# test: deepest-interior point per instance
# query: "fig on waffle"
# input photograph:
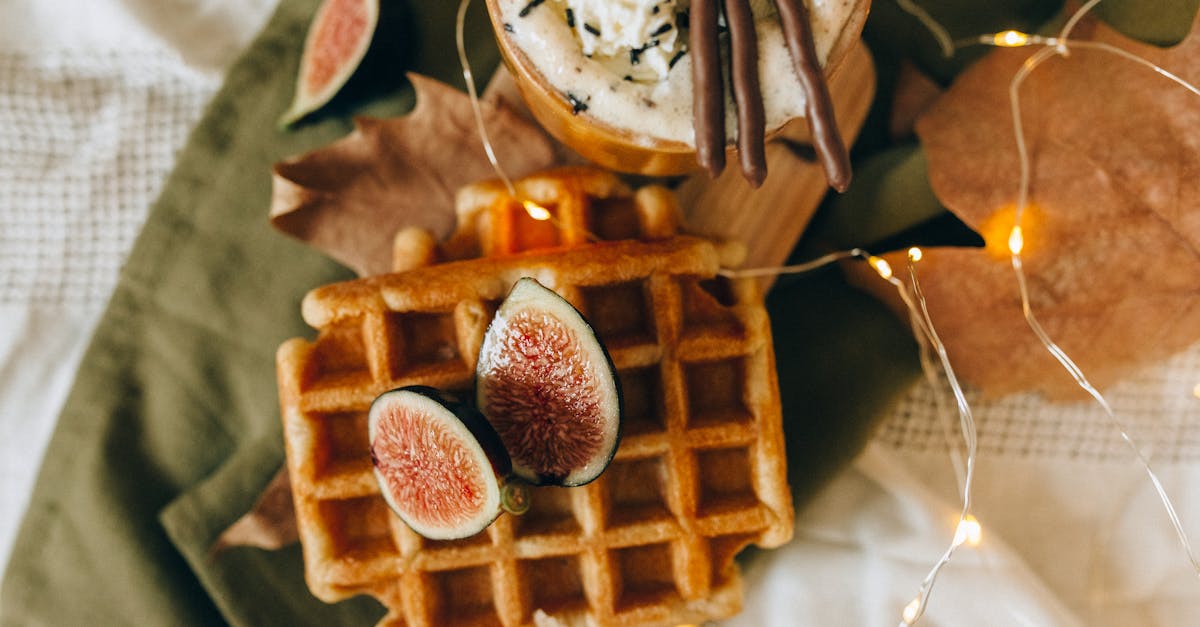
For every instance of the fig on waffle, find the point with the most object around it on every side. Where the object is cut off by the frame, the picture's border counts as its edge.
(700, 471)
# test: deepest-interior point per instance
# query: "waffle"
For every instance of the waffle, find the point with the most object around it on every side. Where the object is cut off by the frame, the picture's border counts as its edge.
(699, 474)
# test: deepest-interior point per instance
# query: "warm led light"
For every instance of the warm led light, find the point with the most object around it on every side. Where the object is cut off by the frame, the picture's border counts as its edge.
(882, 267)
(536, 211)
(1016, 240)
(1196, 391)
(910, 611)
(1010, 39)
(969, 531)
(915, 254)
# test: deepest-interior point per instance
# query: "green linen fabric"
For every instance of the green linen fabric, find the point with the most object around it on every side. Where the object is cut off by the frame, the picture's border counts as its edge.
(172, 428)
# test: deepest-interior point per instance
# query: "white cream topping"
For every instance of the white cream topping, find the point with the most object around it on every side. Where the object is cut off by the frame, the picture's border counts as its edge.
(661, 110)
(635, 38)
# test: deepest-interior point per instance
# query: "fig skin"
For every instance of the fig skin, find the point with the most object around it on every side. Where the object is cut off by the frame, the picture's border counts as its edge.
(481, 435)
(530, 295)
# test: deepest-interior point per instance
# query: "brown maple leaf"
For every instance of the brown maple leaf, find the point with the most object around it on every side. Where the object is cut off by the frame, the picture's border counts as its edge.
(1112, 237)
(270, 524)
(349, 198)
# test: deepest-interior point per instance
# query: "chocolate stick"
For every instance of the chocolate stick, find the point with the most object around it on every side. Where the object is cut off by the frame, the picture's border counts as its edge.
(708, 90)
(746, 92)
(797, 30)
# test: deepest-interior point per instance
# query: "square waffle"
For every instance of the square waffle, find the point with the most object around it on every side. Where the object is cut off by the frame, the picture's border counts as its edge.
(700, 471)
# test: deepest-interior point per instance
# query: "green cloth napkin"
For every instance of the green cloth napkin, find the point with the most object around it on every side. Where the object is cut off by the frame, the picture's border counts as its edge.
(172, 429)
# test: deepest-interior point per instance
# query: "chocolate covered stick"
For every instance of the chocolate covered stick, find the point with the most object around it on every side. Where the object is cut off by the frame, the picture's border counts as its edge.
(746, 92)
(793, 16)
(708, 90)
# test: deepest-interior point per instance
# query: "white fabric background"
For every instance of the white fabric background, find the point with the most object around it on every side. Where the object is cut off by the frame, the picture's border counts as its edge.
(96, 96)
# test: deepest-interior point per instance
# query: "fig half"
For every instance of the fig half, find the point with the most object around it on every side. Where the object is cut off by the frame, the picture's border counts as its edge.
(440, 465)
(546, 384)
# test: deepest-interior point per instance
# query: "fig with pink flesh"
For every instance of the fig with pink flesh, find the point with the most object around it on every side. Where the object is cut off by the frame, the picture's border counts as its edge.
(337, 41)
(440, 465)
(547, 385)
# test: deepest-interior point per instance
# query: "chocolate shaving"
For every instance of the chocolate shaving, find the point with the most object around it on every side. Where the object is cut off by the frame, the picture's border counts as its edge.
(570, 18)
(577, 105)
(675, 59)
(793, 16)
(665, 28)
(707, 87)
(533, 4)
(747, 94)
(591, 29)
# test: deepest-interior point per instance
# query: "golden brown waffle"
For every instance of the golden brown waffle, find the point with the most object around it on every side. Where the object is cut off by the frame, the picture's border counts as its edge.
(584, 205)
(699, 474)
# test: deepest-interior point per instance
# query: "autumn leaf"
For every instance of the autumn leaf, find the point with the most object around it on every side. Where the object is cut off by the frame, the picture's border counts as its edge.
(914, 93)
(349, 198)
(1112, 238)
(270, 524)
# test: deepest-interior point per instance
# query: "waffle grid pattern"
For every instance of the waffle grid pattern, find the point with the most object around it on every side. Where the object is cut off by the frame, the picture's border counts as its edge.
(699, 473)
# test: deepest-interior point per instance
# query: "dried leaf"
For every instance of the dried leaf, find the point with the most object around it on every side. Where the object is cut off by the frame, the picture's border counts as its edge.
(1112, 241)
(349, 198)
(914, 93)
(270, 524)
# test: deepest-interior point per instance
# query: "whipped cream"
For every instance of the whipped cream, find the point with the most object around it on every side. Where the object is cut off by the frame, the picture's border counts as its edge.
(634, 38)
(658, 110)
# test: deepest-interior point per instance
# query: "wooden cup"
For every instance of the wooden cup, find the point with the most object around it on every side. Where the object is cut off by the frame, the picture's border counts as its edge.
(612, 147)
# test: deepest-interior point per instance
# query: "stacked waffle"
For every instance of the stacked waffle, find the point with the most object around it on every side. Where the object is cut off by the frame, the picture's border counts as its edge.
(700, 471)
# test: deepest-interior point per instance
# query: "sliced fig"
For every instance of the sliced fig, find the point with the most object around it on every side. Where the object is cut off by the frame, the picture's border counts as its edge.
(440, 465)
(337, 41)
(546, 384)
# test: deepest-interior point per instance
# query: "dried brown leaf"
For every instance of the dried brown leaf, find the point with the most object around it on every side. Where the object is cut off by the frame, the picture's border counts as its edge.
(349, 198)
(1113, 235)
(270, 524)
(915, 91)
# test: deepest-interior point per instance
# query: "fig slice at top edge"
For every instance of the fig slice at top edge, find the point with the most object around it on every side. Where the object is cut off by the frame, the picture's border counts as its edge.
(439, 464)
(337, 40)
(548, 387)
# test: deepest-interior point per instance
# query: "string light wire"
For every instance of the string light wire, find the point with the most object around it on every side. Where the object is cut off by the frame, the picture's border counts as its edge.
(532, 208)
(1059, 46)
(968, 528)
(934, 27)
(469, 77)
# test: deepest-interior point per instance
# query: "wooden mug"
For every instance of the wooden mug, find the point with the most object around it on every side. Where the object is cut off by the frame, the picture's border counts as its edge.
(615, 148)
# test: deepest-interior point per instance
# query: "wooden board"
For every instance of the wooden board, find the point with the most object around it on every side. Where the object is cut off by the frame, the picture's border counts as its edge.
(769, 220)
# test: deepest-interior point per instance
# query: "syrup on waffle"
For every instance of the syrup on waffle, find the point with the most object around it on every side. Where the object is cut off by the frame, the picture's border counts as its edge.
(699, 474)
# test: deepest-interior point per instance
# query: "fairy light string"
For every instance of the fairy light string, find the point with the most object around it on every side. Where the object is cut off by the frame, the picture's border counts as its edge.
(1060, 46)
(1054, 46)
(968, 530)
(531, 207)
(469, 76)
(933, 26)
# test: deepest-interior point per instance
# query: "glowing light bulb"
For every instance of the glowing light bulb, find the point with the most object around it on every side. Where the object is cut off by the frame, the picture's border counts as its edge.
(1016, 240)
(881, 266)
(910, 611)
(969, 531)
(1010, 39)
(915, 254)
(535, 211)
